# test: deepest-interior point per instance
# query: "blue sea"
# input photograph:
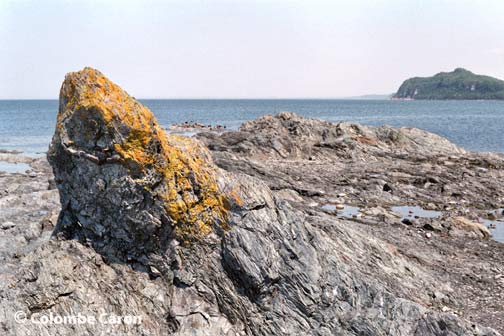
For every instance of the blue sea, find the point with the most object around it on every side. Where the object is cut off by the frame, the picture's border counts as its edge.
(27, 125)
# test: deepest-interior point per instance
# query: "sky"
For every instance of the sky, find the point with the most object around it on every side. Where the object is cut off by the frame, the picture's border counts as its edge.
(245, 48)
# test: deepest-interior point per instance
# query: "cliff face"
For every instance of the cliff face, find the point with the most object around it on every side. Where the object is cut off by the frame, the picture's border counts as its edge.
(151, 227)
(458, 84)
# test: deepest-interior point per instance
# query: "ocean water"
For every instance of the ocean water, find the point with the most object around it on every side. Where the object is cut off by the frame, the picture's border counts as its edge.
(27, 125)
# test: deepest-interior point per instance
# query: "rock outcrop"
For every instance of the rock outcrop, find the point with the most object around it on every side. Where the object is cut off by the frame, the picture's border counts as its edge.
(289, 136)
(126, 186)
(150, 227)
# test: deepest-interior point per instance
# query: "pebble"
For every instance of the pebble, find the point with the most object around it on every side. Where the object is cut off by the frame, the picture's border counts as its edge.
(428, 227)
(155, 271)
(7, 225)
(428, 235)
(340, 206)
(341, 195)
(407, 221)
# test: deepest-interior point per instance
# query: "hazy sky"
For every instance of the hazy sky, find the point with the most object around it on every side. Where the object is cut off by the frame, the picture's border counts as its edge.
(244, 48)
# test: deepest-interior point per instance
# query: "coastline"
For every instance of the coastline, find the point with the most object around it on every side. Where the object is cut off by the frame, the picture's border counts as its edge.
(366, 174)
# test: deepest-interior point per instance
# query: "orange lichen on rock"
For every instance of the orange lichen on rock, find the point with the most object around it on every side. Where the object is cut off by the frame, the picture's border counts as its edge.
(366, 140)
(125, 127)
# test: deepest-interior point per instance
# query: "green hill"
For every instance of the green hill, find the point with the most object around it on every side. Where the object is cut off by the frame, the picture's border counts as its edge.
(458, 84)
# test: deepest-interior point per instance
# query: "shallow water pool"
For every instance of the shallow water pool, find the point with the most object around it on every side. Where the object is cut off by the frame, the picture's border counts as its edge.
(496, 226)
(11, 167)
(416, 212)
(347, 212)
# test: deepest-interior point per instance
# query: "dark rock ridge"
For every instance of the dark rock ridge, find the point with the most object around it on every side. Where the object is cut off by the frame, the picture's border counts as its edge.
(458, 84)
(151, 227)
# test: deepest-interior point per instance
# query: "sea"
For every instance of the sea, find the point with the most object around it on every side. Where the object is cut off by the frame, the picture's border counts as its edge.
(27, 125)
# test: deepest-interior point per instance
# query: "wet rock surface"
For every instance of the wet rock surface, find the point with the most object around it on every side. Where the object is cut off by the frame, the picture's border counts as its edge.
(239, 244)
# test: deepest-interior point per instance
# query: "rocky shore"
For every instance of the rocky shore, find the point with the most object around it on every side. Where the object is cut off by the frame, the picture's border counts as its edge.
(288, 226)
(190, 127)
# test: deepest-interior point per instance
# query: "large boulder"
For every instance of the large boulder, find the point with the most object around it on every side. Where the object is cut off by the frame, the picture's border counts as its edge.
(126, 187)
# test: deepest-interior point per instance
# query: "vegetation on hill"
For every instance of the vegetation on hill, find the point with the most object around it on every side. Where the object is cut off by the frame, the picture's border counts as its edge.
(458, 84)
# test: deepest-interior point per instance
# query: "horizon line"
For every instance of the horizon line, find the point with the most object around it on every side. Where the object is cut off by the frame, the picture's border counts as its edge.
(368, 97)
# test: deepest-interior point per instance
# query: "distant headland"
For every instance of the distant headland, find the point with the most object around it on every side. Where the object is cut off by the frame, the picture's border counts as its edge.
(458, 84)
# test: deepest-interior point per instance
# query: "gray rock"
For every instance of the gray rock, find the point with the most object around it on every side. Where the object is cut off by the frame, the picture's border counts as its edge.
(7, 225)
(245, 263)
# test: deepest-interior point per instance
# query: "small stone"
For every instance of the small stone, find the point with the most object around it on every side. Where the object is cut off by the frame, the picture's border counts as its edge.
(387, 187)
(7, 225)
(155, 272)
(428, 227)
(465, 224)
(340, 206)
(428, 235)
(341, 195)
(407, 221)
(32, 174)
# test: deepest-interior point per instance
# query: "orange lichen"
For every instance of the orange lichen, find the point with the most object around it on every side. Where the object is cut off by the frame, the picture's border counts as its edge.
(133, 147)
(365, 140)
(191, 196)
(233, 194)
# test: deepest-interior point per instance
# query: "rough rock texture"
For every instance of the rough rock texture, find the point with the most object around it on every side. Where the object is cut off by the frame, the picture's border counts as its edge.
(313, 163)
(125, 185)
(150, 227)
(288, 135)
